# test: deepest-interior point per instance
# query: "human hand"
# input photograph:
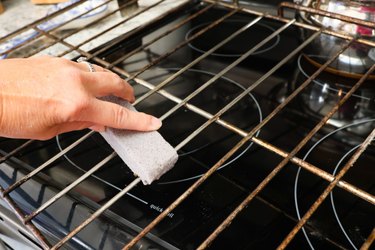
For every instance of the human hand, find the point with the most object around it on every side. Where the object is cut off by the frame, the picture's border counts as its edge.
(41, 97)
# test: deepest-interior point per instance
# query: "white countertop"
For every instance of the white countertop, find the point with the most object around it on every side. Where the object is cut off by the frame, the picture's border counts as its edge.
(19, 13)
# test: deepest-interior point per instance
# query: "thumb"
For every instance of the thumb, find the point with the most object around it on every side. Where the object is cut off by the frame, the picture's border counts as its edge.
(115, 116)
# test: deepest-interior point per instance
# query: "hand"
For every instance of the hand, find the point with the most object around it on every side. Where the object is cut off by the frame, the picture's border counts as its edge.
(41, 97)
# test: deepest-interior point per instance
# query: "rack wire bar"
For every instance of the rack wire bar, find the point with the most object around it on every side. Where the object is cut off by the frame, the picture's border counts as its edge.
(317, 171)
(169, 31)
(124, 6)
(182, 44)
(70, 187)
(314, 11)
(283, 163)
(41, 20)
(46, 164)
(55, 28)
(20, 215)
(307, 226)
(298, 24)
(227, 69)
(93, 55)
(197, 60)
(367, 244)
(111, 28)
(75, 31)
(330, 187)
(15, 151)
(246, 92)
(96, 214)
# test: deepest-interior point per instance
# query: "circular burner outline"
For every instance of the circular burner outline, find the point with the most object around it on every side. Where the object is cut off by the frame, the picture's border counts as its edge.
(334, 172)
(197, 149)
(322, 84)
(187, 35)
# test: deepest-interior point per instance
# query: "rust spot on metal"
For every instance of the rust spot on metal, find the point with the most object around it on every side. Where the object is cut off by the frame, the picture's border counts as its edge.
(314, 11)
(369, 241)
(343, 171)
(20, 215)
(41, 20)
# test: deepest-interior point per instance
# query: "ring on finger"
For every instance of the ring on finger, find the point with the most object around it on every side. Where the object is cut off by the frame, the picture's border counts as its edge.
(89, 65)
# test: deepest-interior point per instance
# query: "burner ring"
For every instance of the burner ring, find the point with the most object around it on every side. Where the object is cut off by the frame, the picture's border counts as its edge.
(197, 149)
(325, 91)
(190, 44)
(296, 182)
(320, 83)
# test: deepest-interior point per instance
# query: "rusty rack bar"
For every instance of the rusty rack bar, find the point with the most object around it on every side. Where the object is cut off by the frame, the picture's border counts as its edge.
(53, 29)
(182, 44)
(298, 24)
(226, 69)
(41, 20)
(282, 164)
(334, 181)
(330, 187)
(15, 151)
(369, 241)
(44, 165)
(310, 10)
(111, 28)
(197, 60)
(175, 27)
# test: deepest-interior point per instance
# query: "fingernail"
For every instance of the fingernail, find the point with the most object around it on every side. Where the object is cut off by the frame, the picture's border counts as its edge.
(155, 123)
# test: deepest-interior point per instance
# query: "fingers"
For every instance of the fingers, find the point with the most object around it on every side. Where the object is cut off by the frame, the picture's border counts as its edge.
(69, 126)
(99, 114)
(104, 83)
(113, 115)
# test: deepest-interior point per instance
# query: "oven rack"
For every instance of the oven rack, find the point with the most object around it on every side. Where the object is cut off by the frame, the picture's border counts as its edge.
(232, 7)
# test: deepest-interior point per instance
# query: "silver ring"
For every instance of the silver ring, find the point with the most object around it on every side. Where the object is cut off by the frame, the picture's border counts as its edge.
(89, 65)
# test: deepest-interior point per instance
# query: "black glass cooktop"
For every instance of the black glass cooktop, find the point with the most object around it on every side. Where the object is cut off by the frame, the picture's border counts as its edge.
(343, 221)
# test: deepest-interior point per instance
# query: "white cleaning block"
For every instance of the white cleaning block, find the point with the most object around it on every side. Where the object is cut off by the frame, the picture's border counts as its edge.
(147, 154)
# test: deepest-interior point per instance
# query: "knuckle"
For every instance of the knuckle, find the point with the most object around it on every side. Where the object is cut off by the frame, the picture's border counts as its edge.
(121, 117)
(73, 76)
(117, 79)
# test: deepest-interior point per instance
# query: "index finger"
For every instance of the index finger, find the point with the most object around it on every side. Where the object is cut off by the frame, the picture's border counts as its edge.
(107, 83)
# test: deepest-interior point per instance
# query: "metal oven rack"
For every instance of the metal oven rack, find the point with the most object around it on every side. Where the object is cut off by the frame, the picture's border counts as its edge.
(232, 7)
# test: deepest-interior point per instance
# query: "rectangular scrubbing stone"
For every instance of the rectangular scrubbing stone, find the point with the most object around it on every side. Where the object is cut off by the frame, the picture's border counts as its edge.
(147, 154)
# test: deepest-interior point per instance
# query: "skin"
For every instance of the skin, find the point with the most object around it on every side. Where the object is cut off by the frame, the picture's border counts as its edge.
(41, 97)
